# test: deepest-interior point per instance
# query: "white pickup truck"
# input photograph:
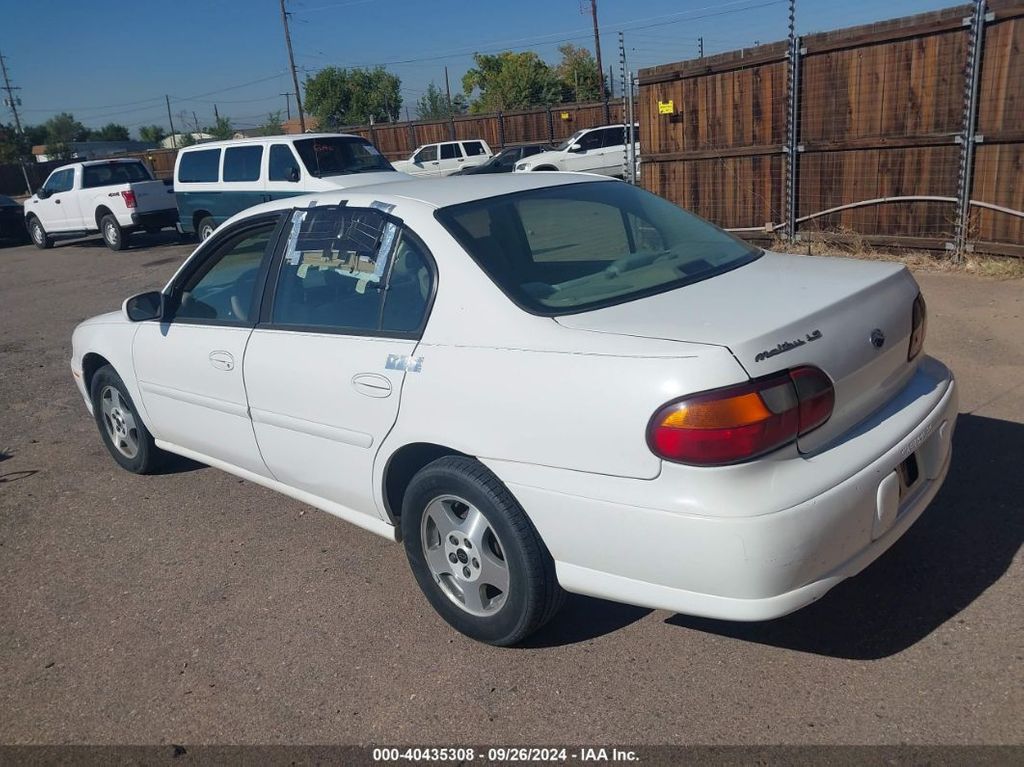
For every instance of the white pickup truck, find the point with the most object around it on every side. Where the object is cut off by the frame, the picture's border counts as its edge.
(113, 197)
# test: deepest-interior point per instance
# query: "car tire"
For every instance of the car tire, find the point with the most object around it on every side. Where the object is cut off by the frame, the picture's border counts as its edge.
(475, 554)
(114, 236)
(122, 430)
(205, 229)
(38, 235)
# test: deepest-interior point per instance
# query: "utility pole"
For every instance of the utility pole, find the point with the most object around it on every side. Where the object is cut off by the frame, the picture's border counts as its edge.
(174, 139)
(451, 114)
(216, 114)
(287, 102)
(13, 102)
(700, 47)
(611, 81)
(291, 62)
(597, 44)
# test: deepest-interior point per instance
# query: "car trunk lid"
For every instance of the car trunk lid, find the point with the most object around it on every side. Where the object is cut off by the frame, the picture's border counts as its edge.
(851, 319)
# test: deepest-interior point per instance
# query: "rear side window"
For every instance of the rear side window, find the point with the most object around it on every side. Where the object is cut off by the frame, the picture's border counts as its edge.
(242, 163)
(350, 270)
(283, 165)
(450, 151)
(199, 167)
(473, 148)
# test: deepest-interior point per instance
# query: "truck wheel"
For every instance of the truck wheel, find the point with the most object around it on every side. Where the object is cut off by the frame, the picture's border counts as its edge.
(476, 556)
(115, 237)
(40, 238)
(205, 228)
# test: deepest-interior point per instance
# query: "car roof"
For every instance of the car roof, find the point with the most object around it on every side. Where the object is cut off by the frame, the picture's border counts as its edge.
(265, 139)
(445, 191)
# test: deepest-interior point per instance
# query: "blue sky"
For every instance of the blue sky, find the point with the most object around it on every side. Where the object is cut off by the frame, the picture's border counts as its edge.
(112, 61)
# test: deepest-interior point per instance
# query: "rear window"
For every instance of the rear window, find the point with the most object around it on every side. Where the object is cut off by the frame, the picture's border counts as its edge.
(242, 163)
(473, 148)
(571, 248)
(199, 167)
(340, 155)
(114, 173)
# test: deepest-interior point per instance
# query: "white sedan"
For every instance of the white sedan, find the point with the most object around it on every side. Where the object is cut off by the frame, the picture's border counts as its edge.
(542, 382)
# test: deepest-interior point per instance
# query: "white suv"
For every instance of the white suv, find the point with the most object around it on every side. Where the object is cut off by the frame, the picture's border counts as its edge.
(594, 150)
(445, 158)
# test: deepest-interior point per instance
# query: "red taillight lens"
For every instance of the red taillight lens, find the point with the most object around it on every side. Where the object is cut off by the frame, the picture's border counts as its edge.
(129, 198)
(741, 422)
(918, 327)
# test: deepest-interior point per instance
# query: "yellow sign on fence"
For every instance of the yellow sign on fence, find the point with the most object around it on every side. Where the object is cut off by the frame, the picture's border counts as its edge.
(666, 107)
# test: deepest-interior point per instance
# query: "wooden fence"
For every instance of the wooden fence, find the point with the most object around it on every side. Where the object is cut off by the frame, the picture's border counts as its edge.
(878, 139)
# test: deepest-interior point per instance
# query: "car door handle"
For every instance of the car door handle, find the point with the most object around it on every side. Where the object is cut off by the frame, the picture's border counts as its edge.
(222, 360)
(372, 385)
(57, 201)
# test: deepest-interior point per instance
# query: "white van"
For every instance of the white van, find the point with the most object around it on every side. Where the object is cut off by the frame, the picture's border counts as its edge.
(216, 180)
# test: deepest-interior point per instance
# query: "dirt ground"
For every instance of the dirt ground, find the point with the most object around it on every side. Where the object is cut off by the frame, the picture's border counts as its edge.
(193, 607)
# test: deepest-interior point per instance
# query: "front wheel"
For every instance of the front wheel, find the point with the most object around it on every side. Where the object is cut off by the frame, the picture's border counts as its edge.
(113, 235)
(40, 238)
(125, 435)
(475, 554)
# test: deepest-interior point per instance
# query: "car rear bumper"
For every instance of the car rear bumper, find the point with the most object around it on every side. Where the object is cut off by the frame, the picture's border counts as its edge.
(156, 219)
(763, 563)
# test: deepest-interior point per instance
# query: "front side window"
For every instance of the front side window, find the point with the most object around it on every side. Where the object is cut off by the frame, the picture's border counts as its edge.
(350, 270)
(427, 154)
(340, 156)
(450, 151)
(242, 163)
(566, 249)
(61, 181)
(223, 289)
(283, 165)
(592, 140)
(201, 166)
(473, 148)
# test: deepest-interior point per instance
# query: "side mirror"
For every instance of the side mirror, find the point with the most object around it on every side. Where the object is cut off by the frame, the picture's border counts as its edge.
(43, 193)
(144, 306)
(575, 148)
(293, 174)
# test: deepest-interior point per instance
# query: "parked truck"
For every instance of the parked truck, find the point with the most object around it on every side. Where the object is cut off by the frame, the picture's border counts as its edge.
(111, 197)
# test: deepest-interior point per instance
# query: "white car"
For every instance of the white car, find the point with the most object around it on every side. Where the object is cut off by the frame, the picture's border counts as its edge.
(595, 150)
(112, 197)
(542, 383)
(445, 158)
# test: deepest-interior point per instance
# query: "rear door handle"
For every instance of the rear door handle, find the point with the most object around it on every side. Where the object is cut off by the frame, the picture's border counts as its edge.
(57, 201)
(372, 385)
(222, 360)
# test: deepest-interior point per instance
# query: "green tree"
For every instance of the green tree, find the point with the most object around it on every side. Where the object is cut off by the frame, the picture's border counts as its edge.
(510, 80)
(577, 73)
(110, 132)
(61, 130)
(433, 105)
(152, 133)
(222, 129)
(337, 96)
(12, 146)
(272, 126)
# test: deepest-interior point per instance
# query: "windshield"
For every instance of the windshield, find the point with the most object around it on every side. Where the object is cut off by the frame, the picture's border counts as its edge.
(340, 155)
(566, 249)
(569, 141)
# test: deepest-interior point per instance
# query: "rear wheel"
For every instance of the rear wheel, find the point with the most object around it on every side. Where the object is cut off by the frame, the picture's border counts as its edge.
(476, 556)
(40, 238)
(125, 435)
(205, 228)
(113, 235)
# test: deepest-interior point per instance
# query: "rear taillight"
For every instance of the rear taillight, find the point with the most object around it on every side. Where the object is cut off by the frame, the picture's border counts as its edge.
(737, 423)
(129, 198)
(918, 327)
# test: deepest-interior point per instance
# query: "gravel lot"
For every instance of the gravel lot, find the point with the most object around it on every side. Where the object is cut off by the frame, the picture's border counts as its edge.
(193, 607)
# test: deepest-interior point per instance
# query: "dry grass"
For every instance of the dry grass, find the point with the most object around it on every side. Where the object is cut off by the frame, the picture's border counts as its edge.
(851, 246)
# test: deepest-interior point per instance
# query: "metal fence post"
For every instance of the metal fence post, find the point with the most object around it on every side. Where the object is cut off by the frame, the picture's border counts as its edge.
(627, 92)
(412, 137)
(630, 122)
(968, 135)
(792, 148)
(551, 127)
(501, 129)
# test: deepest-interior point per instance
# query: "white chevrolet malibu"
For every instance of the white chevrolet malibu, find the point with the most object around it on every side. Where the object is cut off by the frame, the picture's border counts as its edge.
(542, 383)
